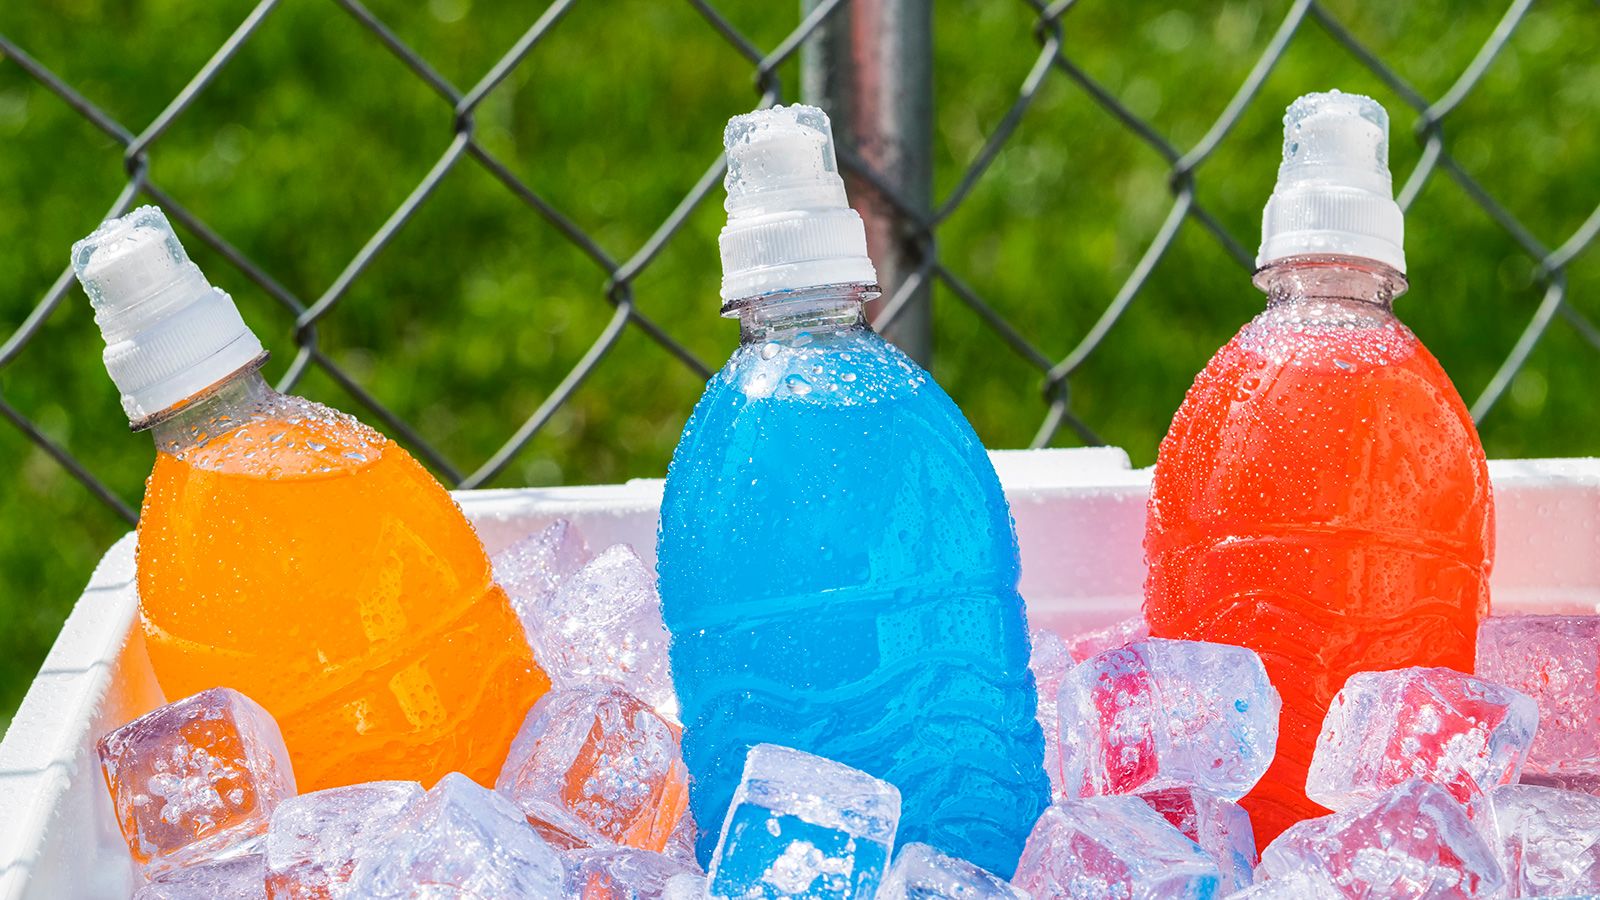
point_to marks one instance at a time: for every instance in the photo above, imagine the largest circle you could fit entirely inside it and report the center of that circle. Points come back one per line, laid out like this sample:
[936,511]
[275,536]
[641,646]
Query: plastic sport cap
[169,334]
[1334,194]
[789,223]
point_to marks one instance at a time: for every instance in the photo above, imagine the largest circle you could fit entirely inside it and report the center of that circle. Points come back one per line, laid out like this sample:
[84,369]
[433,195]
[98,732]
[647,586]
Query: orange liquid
[313,565]
[1322,498]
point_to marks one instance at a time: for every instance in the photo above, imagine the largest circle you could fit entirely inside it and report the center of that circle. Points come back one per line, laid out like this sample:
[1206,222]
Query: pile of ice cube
[1442,784]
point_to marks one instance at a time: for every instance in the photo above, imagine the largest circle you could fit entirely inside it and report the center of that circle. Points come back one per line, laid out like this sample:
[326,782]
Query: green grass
[314,133]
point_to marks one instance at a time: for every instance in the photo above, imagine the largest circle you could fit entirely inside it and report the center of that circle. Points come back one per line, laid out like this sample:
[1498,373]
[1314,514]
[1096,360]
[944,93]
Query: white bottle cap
[169,334]
[789,223]
[1334,194]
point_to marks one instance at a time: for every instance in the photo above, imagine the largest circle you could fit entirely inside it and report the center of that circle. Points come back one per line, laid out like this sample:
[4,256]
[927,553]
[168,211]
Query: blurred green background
[315,133]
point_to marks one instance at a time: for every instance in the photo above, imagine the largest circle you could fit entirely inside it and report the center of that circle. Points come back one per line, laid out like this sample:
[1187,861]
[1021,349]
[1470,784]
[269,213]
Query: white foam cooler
[1080,518]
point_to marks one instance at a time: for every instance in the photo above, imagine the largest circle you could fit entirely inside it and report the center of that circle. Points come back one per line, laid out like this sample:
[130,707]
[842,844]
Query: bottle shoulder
[868,436]
[1332,422]
[1307,369]
[1305,327]
[851,388]
[279,436]
[845,368]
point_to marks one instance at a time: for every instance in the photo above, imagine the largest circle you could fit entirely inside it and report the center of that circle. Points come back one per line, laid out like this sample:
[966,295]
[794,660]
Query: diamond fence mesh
[1055,359]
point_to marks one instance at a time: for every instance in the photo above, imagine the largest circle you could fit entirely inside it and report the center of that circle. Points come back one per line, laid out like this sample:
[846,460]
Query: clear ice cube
[591,767]
[685,887]
[804,826]
[234,878]
[195,778]
[1547,840]
[1112,637]
[1220,826]
[1294,886]
[531,569]
[1556,661]
[457,840]
[1112,847]
[1050,662]
[680,844]
[1415,841]
[603,624]
[621,873]
[1440,725]
[921,872]
[313,839]
[1161,713]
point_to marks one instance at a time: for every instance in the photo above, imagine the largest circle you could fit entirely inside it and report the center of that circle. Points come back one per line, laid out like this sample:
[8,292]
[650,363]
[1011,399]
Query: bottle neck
[816,310]
[216,410]
[1334,279]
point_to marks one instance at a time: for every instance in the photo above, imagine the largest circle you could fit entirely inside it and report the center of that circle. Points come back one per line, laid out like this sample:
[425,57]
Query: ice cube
[1548,840]
[922,873]
[1220,826]
[1050,662]
[531,569]
[621,873]
[1556,661]
[1414,841]
[458,839]
[1159,713]
[234,878]
[685,887]
[1439,725]
[591,767]
[680,844]
[313,838]
[1112,637]
[195,778]
[1112,847]
[804,826]
[603,624]
[1294,886]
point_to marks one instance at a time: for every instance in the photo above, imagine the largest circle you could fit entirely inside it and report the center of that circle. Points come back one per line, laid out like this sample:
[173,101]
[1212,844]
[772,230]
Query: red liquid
[1322,498]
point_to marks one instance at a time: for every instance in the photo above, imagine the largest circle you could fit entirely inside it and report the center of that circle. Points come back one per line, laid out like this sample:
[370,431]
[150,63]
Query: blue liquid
[838,570]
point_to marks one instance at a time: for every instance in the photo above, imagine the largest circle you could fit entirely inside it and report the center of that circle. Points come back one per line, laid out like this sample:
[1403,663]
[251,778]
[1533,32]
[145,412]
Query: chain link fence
[904,219]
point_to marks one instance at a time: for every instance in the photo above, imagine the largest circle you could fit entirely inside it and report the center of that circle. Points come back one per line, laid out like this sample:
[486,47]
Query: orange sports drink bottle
[292,553]
[1322,496]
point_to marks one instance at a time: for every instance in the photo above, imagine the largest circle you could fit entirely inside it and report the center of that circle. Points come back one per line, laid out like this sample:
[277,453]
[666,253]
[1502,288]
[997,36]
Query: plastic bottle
[837,561]
[1322,496]
[292,553]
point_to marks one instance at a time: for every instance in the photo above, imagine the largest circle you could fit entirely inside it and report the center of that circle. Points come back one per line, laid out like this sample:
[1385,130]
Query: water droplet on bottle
[798,385]
[759,385]
[769,350]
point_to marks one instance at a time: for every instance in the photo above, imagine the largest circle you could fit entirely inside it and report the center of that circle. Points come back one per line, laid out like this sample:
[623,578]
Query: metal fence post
[871,67]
